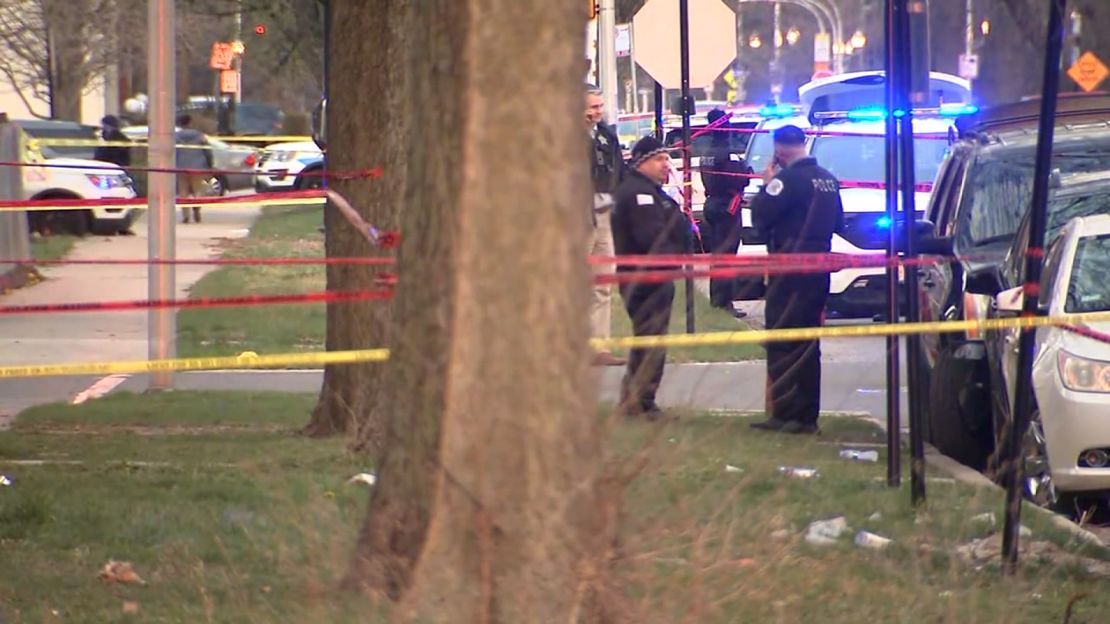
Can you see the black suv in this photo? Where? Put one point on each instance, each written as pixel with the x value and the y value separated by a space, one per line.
pixel 982 192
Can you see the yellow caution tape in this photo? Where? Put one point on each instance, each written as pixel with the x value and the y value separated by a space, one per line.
pixel 181 203
pixel 251 360
pixel 144 142
pixel 245 360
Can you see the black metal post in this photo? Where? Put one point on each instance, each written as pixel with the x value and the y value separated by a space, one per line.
pixel 893 387
pixel 1034 261
pixel 687 110
pixel 906 102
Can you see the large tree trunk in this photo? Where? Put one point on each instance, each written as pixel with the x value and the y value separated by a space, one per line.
pixel 489 505
pixel 68 49
pixel 366 128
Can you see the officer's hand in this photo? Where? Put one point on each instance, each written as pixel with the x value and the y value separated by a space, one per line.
pixel 770 172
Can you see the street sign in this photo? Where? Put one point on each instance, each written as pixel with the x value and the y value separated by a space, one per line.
pixel 229 81
pixel 1088 72
pixel 969 66
pixel 712 40
pixel 624 40
pixel 222 55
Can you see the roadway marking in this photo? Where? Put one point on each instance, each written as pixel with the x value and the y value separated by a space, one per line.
pixel 100 387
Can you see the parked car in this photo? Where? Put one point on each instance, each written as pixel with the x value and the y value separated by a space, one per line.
pixel 982 191
pixel 75 178
pixel 1066 449
pixel 239 159
pixel 289 167
pixel 45 129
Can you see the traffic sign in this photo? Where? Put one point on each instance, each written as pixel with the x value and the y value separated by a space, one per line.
pixel 712 40
pixel 222 55
pixel 229 81
pixel 1088 72
pixel 969 66
pixel 624 40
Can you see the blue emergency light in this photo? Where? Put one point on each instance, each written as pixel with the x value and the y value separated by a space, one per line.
pixel 777 111
pixel 955 109
pixel 883 222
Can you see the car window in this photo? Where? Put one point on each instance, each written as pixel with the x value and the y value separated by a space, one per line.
pixel 863 159
pixel 1050 271
pixel 996 197
pixel 761 150
pixel 1088 288
pixel 942 202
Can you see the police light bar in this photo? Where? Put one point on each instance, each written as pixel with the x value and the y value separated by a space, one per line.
pixel 878 113
pixel 774 111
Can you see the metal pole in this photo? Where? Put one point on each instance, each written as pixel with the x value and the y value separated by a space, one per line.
pixel 607 56
pixel 776 57
pixel 658 104
pixel 1023 394
pixel 161 324
pixel 687 110
pixel 893 387
pixel 913 346
pixel 632 68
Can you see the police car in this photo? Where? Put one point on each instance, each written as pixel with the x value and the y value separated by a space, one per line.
pixel 288 167
pixel 850 143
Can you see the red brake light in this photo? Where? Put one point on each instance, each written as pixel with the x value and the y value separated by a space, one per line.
pixel 250 160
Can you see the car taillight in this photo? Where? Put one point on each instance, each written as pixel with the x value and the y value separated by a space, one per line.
pixel 250 160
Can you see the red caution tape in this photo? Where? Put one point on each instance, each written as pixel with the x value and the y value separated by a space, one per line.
pixel 375 172
pixel 202 302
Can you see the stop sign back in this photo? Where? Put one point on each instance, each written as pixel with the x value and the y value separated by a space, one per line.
pixel 712 41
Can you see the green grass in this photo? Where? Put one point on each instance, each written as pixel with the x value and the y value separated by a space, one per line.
pixel 706 319
pixel 234 519
pixel 279 232
pixel 54 247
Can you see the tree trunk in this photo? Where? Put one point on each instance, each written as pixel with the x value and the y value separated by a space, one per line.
pixel 68 52
pixel 490 504
pixel 366 129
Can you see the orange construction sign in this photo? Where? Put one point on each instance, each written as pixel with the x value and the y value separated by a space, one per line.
pixel 229 81
pixel 1088 72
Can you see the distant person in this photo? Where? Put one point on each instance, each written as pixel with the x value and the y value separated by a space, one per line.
pixel 647 221
pixel 797 212
pixel 606 172
pixel 723 175
pixel 116 154
pixel 192 153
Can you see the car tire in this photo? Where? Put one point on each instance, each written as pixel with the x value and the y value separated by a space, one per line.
pixel 959 419
pixel 218 186
pixel 310 181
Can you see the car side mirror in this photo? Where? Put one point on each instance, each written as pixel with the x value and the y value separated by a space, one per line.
pixel 320 124
pixel 1010 302
pixel 985 281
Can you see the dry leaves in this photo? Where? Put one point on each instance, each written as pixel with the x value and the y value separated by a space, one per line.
pixel 120 572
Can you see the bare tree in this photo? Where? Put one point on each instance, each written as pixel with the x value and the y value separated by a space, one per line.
pixel 368 127
pixel 489 504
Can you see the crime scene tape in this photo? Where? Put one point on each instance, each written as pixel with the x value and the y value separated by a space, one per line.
pixel 267 261
pixel 143 143
pixel 933 136
pixel 920 187
pixel 328 296
pixel 289 198
pixel 279 174
pixel 251 360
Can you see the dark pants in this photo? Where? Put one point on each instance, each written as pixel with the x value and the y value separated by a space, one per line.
pixel 794 368
pixel 722 237
pixel 649 307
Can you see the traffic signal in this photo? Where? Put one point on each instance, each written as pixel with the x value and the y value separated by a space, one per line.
pixel 593 8
pixel 260 29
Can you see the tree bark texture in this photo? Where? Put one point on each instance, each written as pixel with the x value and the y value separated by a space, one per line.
pixel 490 504
pixel 366 129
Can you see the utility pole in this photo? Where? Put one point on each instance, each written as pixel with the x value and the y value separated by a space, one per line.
pixel 161 208
pixel 607 56
pixel 687 110
pixel 776 59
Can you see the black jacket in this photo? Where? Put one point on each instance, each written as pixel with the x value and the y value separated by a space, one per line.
pixel 799 210
pixel 647 221
pixel 718 172
pixel 118 155
pixel 606 160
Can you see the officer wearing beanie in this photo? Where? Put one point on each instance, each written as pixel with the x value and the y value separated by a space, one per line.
pixel 722 174
pixel 797 211
pixel 646 221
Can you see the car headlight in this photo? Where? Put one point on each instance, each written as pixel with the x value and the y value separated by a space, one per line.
pixel 1083 375
pixel 107 182
pixel 283 156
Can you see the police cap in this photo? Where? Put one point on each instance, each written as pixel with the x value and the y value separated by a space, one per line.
pixel 790 135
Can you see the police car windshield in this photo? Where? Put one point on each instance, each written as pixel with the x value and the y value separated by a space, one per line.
pixel 863 159
pixel 760 151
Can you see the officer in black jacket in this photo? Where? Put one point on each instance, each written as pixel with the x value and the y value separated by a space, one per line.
pixel 797 211
pixel 647 221
pixel 722 174
pixel 116 154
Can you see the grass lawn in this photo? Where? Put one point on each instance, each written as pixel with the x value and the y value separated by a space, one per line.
pixel 706 319
pixel 54 247
pixel 237 520
pixel 279 232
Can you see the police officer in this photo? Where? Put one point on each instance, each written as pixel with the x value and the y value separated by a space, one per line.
pixel 722 174
pixel 606 171
pixel 797 211
pixel 647 221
